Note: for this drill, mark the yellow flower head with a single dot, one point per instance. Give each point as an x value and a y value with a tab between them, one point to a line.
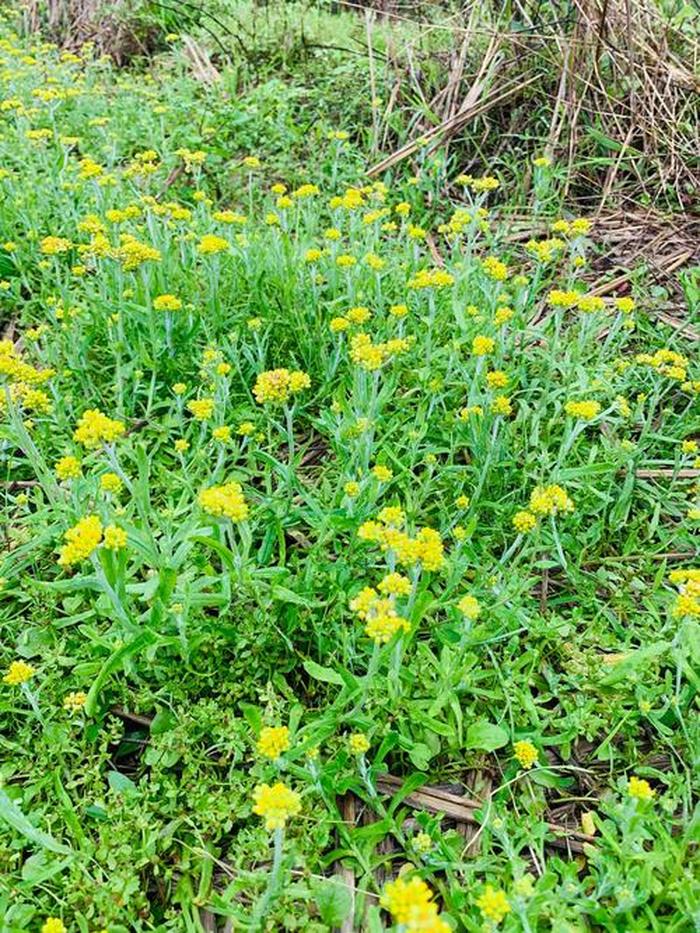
275	804
74	702
68	468
358	743
110	482
469	606
273	741
493	904
525	753
94	428
210	244
640	789
81	540
277	385
225	502
53	925
19	672
115	538
585	411
201	408
167	303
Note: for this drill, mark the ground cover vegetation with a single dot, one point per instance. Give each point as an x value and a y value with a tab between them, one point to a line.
319	489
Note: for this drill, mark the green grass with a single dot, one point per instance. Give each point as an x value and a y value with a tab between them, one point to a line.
133	811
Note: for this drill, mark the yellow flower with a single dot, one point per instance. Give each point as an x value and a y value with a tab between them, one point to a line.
495	269
181	445
277	385
525	753
225	501
306	191
74	702
68	468
689	447
524	522
462	502
352	489
639	788
412	907
167	303
548	500
222	434
110	482
431	278
273	741
53	925
470	607
358	315
561	299
382	473
201	408
275	804
339	324
210	244
81	540
482	346
398	310
245	429
19	672
586	410
497	379
52	245
394	584
625	304
493	904
358	743
115	538
95	428
501	405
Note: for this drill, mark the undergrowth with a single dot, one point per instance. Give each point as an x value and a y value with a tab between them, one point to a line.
307	482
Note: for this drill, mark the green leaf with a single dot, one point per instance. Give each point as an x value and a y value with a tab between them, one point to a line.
121	784
486	736
334	901
113	663
634	663
325	674
11	813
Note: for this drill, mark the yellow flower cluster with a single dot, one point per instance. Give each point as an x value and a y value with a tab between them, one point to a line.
640	789
525	754
431	278
493	904
19	672
382	621
548	500
167	303
545	250
277	385
225	501
667	362
585	410
371	356
68	468
688	600
95	428
275	804
273	741
81	540
426	548
412	907
358	743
